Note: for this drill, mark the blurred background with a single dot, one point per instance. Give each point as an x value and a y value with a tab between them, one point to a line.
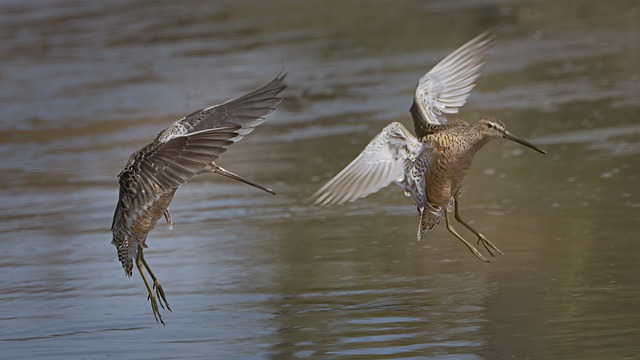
83	84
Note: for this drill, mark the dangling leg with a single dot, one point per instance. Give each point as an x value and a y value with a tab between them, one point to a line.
421	227
167	216
156	285
481	238
151	297
473	249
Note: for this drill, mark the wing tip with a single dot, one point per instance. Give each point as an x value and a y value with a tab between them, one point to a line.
278	82
491	34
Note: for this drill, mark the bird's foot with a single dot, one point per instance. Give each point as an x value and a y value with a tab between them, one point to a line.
488	245
154	308
477	254
160	294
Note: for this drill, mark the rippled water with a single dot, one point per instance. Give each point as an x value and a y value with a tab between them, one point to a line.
248	275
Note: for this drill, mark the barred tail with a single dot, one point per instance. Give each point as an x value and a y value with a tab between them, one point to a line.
126	252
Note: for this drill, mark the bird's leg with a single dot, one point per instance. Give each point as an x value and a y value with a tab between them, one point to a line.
481	238
151	297
471	248
156	285
167	216
421	230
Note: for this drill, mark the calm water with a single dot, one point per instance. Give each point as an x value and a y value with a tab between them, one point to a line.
251	276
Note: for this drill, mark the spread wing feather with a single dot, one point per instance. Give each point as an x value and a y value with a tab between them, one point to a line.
446	87
247	112
192	144
383	161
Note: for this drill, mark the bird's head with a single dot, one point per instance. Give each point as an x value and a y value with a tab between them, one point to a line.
495	128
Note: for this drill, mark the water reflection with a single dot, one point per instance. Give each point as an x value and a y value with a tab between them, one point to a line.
254	276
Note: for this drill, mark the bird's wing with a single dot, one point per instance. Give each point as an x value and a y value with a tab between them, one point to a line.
382	161
191	146
171	164
447	86
247	112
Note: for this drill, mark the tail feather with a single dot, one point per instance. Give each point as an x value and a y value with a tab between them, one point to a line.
126	252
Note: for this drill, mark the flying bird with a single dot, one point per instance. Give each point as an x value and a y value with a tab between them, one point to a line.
189	147
431	166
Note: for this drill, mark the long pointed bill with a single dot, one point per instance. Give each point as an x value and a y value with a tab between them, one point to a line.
229	174
510	136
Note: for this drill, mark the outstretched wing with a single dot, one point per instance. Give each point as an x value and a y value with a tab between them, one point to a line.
385	159
184	151
168	165
247	112
192	144
447	86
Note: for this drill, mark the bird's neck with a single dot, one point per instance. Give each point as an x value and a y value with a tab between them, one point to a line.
476	139
478	143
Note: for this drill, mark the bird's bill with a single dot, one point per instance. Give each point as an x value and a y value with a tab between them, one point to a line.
510	136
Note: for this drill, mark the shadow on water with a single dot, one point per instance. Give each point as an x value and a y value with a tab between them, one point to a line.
248	275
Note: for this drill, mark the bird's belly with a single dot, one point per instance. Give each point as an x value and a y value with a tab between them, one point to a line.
145	219
439	195
443	183
143	224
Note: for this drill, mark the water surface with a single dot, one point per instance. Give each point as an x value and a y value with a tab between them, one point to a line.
251	276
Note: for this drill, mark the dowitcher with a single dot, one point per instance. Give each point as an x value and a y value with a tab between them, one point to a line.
190	147
432	166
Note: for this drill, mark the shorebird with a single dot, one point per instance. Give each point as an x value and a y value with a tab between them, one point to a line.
432	166
189	147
